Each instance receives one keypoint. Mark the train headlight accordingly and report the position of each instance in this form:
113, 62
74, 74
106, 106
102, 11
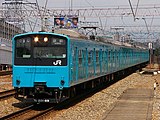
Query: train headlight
45, 39
36, 39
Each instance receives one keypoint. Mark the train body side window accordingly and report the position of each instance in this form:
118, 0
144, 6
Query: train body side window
97, 56
90, 55
84, 55
80, 56
74, 55
109, 55
103, 55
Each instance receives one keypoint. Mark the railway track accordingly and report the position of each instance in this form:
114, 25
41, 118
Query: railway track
17, 113
7, 94
30, 112
3, 73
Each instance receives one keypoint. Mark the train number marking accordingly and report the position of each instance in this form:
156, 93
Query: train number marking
57, 62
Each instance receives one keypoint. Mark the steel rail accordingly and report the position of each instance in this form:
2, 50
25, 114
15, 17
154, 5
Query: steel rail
3, 73
7, 94
17, 113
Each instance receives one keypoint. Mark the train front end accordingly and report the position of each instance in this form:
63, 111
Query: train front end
40, 67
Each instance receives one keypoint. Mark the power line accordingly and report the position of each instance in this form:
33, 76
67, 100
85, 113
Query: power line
131, 9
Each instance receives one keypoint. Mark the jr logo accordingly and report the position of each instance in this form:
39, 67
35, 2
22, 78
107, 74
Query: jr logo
57, 62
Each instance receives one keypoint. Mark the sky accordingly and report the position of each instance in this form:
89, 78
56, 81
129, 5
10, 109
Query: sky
82, 3
86, 3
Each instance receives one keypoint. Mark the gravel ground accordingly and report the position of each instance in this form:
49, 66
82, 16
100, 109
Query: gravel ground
5, 83
6, 106
94, 107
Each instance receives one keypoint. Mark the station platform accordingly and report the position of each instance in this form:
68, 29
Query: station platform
133, 104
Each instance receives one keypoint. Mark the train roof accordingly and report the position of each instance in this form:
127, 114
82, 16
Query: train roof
40, 32
70, 33
115, 42
75, 35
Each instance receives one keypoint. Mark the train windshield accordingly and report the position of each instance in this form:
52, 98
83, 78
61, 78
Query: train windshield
50, 52
54, 48
23, 48
40, 50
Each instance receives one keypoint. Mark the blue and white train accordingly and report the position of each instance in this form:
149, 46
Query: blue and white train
50, 67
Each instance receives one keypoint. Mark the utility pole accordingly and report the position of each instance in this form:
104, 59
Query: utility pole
13, 12
150, 44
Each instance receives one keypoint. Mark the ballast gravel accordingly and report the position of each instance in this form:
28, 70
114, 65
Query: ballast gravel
94, 107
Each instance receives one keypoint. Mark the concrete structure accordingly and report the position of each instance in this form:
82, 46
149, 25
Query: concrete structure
5, 53
7, 31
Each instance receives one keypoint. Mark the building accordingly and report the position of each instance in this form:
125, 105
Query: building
7, 31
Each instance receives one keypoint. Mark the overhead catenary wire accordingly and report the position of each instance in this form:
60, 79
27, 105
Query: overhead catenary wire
136, 8
131, 9
41, 16
134, 14
45, 8
103, 28
151, 23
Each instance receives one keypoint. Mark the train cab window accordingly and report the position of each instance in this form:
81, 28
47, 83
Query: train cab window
23, 48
